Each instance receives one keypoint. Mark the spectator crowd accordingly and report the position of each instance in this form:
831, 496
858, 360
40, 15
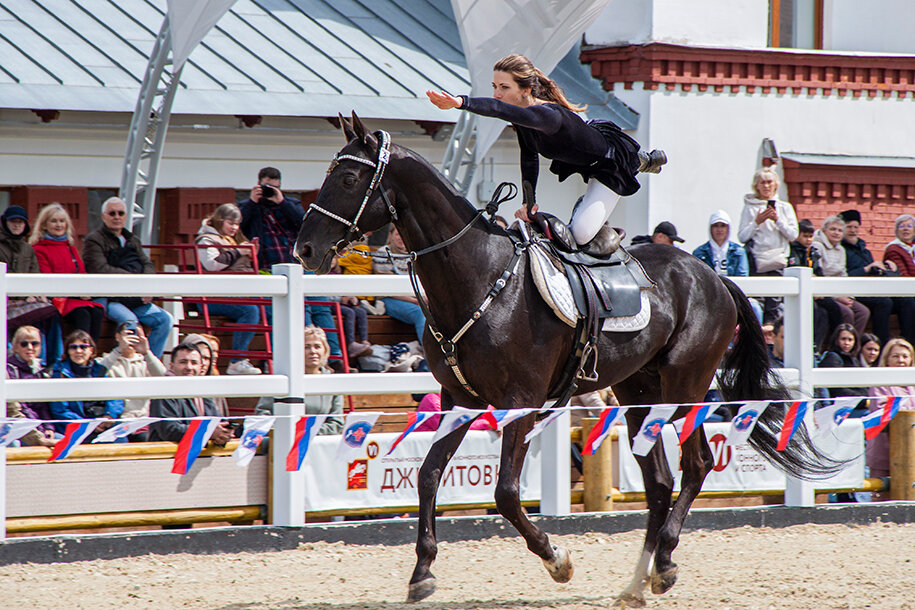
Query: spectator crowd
58, 337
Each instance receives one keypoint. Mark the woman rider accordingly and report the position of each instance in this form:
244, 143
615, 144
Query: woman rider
546, 124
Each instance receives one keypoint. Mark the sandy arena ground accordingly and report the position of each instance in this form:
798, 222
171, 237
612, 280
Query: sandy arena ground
806, 566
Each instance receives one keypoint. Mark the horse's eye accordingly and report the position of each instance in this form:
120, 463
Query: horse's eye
349, 180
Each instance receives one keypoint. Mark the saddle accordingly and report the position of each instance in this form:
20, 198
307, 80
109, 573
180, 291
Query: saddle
586, 288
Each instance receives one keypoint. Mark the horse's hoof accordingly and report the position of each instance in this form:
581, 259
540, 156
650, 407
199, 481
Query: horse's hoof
560, 567
629, 600
421, 590
661, 583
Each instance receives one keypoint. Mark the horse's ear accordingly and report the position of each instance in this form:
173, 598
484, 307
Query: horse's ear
359, 127
365, 136
348, 131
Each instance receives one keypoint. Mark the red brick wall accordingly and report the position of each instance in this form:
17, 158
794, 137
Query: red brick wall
880, 194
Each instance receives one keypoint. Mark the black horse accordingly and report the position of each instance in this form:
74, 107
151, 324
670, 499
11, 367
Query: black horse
514, 354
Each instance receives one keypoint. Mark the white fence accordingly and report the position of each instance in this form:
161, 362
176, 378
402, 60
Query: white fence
287, 288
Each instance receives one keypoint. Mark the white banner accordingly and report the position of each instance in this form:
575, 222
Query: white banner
376, 480
740, 467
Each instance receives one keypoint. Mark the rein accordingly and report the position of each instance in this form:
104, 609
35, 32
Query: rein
446, 345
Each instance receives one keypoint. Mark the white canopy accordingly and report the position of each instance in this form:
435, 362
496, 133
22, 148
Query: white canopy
189, 21
542, 30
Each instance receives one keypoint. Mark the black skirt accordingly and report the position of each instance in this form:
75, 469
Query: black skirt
617, 170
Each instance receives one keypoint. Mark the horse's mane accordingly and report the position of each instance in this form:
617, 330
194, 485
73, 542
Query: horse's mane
411, 155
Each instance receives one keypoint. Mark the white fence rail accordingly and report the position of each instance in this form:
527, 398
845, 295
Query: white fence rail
288, 286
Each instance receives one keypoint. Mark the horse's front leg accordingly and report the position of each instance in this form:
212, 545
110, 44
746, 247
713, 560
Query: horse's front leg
696, 462
422, 582
557, 560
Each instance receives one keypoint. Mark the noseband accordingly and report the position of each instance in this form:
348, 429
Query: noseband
384, 157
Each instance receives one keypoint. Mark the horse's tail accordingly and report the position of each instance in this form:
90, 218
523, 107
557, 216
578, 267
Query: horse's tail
745, 374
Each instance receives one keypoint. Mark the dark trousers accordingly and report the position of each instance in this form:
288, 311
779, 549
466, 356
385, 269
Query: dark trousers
771, 305
88, 319
880, 308
904, 308
355, 323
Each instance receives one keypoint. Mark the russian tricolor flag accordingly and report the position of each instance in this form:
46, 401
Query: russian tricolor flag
499, 418
541, 425
414, 420
600, 431
305, 430
75, 433
195, 438
697, 414
793, 420
877, 420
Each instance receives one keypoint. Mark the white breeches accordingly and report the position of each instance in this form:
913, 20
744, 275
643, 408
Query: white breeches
593, 211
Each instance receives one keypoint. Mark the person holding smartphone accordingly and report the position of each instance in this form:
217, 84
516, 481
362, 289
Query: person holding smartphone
768, 225
132, 357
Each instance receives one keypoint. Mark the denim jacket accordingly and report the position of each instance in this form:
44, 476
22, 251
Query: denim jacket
736, 261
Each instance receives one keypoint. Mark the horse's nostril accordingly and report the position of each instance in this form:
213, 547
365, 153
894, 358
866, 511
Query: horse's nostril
305, 251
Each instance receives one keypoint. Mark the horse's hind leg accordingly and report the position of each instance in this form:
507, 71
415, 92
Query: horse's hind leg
422, 582
696, 462
642, 389
557, 560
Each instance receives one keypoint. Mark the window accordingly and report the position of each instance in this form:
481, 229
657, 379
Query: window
796, 23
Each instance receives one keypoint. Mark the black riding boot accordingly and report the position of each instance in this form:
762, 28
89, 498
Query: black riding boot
604, 243
651, 163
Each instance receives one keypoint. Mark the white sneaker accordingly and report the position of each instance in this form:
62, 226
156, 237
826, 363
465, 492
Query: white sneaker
242, 367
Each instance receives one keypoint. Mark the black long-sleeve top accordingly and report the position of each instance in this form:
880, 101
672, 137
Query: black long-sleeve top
598, 149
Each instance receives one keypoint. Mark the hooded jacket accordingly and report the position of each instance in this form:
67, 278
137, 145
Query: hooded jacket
832, 258
736, 263
221, 259
16, 251
771, 239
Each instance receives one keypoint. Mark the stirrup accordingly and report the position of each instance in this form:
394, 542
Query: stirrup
650, 163
605, 243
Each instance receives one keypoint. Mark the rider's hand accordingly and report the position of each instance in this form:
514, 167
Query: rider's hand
521, 213
444, 100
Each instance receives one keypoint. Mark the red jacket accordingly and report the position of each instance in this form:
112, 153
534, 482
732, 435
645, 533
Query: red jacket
903, 260
61, 257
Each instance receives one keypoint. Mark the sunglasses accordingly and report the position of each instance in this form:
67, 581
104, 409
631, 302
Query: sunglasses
28, 343
117, 213
907, 226
76, 346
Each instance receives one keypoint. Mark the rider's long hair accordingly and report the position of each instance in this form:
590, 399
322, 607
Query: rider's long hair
527, 76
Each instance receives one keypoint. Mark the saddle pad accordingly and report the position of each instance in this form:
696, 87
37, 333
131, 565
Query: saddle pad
625, 324
553, 286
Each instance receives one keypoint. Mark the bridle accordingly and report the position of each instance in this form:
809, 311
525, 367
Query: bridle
353, 232
384, 157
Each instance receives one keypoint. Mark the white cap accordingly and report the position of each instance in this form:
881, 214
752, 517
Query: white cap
719, 216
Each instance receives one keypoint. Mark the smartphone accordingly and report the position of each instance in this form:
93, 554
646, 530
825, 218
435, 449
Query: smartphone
770, 203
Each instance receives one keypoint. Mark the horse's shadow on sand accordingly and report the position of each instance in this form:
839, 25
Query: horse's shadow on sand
476, 604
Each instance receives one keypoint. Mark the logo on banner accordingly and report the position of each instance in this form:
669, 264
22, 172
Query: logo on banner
355, 434
357, 475
653, 430
252, 439
746, 420
841, 415
721, 451
372, 450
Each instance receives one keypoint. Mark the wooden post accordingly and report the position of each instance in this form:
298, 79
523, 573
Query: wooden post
902, 456
597, 472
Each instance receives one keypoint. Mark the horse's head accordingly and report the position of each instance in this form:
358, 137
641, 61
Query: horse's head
351, 200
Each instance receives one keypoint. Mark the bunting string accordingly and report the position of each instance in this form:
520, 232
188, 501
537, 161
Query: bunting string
823, 416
